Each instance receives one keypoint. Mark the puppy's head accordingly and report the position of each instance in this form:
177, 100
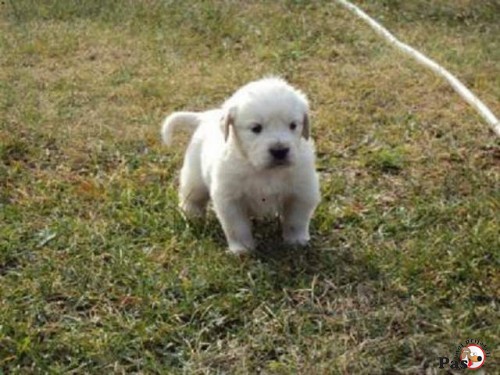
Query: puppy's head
266, 119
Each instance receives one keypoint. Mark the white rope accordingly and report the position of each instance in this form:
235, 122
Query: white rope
463, 91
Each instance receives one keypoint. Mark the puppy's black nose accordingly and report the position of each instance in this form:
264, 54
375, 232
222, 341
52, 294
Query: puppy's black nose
279, 153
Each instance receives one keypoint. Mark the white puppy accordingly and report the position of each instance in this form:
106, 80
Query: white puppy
252, 157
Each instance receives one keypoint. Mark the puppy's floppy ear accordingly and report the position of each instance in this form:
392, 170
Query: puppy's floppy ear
226, 121
305, 126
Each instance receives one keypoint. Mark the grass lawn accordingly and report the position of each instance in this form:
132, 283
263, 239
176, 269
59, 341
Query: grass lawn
100, 273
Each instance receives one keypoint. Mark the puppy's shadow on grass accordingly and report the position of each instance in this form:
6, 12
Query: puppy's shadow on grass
326, 256
294, 266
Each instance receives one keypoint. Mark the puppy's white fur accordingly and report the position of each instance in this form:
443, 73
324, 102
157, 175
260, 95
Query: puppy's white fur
246, 172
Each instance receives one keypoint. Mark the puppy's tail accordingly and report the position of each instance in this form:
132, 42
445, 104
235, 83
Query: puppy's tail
171, 123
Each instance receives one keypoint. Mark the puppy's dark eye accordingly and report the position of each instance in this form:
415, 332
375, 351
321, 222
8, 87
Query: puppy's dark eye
257, 128
293, 125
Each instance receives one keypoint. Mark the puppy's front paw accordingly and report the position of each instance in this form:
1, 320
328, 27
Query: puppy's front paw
192, 210
238, 248
296, 239
239, 251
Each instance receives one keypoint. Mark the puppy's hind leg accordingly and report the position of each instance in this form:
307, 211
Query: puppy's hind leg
193, 193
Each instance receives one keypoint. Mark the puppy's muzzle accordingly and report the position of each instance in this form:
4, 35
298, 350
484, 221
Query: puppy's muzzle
279, 154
